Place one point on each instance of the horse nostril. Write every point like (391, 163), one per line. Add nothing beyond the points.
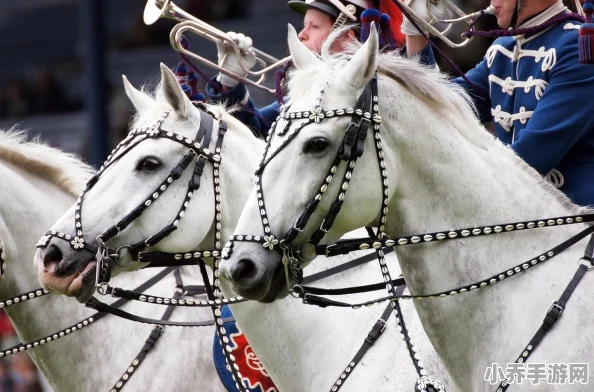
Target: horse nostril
(52, 256)
(244, 271)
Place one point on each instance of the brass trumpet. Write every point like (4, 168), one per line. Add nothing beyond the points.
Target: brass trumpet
(456, 15)
(156, 9)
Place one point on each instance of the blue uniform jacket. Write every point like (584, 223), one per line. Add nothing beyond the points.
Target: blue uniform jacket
(260, 120)
(540, 101)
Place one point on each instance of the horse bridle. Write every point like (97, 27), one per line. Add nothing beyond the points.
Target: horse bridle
(363, 116)
(198, 149)
(351, 148)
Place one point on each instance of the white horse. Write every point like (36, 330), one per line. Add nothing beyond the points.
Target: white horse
(38, 184)
(303, 348)
(444, 171)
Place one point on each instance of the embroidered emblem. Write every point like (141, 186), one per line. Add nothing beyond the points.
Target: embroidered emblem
(252, 370)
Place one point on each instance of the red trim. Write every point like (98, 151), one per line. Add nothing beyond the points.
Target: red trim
(396, 18)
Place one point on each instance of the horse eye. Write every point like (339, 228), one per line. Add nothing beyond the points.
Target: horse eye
(317, 144)
(148, 164)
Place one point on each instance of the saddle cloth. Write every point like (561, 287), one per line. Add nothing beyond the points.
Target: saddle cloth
(252, 371)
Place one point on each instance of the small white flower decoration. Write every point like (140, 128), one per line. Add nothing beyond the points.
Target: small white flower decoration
(78, 242)
(269, 242)
(43, 241)
(154, 130)
(226, 252)
(316, 114)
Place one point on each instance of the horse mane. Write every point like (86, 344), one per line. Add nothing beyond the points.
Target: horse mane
(425, 82)
(429, 85)
(67, 171)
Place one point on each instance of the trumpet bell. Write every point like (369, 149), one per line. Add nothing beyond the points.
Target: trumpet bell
(156, 9)
(153, 10)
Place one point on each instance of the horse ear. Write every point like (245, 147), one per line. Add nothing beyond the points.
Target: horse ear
(139, 100)
(173, 92)
(362, 66)
(302, 56)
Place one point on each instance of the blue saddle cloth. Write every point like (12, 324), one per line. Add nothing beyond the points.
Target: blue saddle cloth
(253, 374)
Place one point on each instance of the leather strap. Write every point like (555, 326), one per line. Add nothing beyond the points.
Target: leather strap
(556, 309)
(374, 334)
(342, 268)
(343, 247)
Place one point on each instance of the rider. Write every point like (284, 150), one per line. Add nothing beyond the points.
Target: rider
(536, 90)
(320, 18)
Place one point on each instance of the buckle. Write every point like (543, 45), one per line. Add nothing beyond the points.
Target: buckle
(179, 289)
(377, 330)
(557, 308)
(159, 328)
(102, 288)
(328, 249)
(383, 323)
(295, 226)
(583, 260)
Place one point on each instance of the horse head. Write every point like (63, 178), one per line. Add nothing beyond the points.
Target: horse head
(308, 167)
(139, 198)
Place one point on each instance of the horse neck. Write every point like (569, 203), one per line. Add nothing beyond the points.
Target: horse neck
(453, 175)
(98, 354)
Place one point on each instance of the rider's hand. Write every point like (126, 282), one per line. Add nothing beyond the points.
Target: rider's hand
(232, 61)
(420, 7)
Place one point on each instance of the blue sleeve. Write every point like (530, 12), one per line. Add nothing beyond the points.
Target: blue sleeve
(564, 113)
(258, 120)
(478, 90)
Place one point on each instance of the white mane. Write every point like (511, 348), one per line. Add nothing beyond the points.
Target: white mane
(425, 82)
(429, 85)
(67, 171)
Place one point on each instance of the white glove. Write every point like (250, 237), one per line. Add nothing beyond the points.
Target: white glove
(420, 7)
(231, 62)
